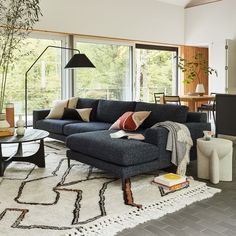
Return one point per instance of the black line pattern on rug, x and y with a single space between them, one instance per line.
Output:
61 187
77 205
77 208
16 224
90 172
27 176
101 206
56 189
54 173
58 148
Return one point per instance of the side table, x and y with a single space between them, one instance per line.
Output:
214 159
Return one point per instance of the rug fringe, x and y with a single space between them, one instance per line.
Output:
169 204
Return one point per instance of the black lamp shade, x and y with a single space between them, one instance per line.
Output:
79 60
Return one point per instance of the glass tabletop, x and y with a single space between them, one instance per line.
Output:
30 135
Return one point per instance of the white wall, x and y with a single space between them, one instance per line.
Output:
147 20
210 23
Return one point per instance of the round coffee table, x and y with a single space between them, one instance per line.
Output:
31 135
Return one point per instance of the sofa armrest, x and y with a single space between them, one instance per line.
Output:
39 115
196 117
158 136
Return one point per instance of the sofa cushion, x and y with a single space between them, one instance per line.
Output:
77 114
122 152
130 120
109 111
85 127
53 125
88 103
161 113
58 107
57 110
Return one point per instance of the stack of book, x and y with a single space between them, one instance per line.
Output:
171 181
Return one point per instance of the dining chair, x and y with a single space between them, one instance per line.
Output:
172 99
158 96
210 108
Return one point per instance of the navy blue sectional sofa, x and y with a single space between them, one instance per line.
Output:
90 143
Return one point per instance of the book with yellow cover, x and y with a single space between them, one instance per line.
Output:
174 187
169 179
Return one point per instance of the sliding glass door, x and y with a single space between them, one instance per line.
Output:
156 71
112 77
44 79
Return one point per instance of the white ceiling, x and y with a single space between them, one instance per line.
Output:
188 3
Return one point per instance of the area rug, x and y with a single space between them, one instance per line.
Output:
80 200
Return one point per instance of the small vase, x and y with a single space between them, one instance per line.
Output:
3 122
20 131
200 89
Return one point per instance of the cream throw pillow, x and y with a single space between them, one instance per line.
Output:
72 102
84 113
58 109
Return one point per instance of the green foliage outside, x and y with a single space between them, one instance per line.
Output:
157 68
17 18
41 93
109 80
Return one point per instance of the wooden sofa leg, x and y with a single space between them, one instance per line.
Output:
127 193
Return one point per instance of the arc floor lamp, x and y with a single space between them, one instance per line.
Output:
77 60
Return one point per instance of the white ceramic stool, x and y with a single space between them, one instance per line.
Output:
214 159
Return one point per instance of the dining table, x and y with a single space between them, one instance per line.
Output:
193 100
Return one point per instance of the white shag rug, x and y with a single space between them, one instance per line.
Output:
81 200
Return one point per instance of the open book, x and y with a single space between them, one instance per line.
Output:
122 134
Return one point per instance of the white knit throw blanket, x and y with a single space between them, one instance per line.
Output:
179 142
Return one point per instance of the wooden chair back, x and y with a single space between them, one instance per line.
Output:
172 99
158 97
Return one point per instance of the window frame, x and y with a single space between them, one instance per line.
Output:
64 55
129 92
175 49
68 83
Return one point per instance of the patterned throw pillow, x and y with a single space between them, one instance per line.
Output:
77 114
130 121
58 109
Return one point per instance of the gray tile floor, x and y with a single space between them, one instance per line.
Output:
215 216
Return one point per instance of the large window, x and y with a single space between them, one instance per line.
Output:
156 71
111 79
44 80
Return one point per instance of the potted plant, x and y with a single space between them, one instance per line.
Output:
17 18
193 70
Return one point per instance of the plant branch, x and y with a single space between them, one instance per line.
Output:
17 18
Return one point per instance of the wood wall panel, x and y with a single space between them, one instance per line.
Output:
188 52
